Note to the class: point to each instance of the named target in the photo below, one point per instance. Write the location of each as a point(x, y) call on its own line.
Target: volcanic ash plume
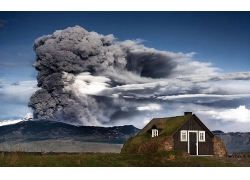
point(76, 68)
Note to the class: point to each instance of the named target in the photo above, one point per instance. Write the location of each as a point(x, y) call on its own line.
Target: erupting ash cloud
point(90, 79)
point(74, 66)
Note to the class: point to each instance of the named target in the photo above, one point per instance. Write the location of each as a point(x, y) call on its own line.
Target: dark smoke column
point(60, 57)
point(71, 60)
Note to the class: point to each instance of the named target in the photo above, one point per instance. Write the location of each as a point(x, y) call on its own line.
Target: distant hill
point(235, 141)
point(56, 136)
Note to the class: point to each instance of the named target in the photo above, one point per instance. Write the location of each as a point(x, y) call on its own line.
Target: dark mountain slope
point(52, 136)
point(51, 130)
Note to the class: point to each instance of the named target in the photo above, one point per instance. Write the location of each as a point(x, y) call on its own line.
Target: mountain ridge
point(46, 129)
point(46, 135)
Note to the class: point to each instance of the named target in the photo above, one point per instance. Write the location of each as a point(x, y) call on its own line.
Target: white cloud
point(124, 108)
point(149, 107)
point(240, 114)
point(8, 122)
point(211, 76)
point(91, 85)
point(225, 119)
point(209, 96)
point(20, 92)
point(146, 120)
point(14, 98)
point(129, 97)
point(11, 121)
point(115, 95)
point(129, 87)
point(193, 86)
point(1, 83)
point(188, 67)
point(233, 87)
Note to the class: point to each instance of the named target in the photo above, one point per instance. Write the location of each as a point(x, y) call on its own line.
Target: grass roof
point(168, 125)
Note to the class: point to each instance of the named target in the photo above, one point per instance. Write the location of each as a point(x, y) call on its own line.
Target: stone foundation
point(169, 143)
point(220, 149)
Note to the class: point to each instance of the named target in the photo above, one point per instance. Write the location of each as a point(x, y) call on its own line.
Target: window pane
point(154, 132)
point(183, 135)
point(202, 136)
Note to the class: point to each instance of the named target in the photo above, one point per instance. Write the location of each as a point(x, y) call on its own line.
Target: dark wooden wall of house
point(178, 144)
point(205, 148)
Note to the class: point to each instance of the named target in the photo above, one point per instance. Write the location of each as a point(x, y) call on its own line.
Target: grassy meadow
point(159, 159)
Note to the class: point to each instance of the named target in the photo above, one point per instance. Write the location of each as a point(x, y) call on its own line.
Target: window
point(183, 135)
point(154, 132)
point(202, 136)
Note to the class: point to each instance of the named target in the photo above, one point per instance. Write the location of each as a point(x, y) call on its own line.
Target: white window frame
point(185, 133)
point(203, 135)
point(155, 132)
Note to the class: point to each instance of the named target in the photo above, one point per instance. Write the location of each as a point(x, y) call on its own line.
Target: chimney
point(187, 113)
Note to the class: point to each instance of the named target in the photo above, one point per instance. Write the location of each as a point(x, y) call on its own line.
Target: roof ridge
point(162, 118)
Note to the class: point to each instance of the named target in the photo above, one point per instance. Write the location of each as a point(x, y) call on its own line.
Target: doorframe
point(197, 144)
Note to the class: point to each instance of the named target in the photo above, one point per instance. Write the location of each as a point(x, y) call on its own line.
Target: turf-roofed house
point(186, 133)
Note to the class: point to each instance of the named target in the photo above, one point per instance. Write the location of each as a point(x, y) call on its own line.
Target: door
point(192, 143)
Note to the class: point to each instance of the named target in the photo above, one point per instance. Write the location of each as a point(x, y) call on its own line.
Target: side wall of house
point(220, 149)
point(204, 148)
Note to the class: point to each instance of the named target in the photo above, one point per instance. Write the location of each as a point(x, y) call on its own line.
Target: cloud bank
point(240, 114)
point(91, 79)
point(18, 92)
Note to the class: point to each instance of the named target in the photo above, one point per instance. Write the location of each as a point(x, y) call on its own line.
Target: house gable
point(189, 125)
point(203, 137)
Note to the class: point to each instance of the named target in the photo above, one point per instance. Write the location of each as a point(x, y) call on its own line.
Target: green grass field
point(160, 159)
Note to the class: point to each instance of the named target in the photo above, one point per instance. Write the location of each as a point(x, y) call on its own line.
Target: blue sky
point(220, 39)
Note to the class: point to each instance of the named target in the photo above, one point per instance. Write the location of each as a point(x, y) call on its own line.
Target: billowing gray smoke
point(76, 68)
